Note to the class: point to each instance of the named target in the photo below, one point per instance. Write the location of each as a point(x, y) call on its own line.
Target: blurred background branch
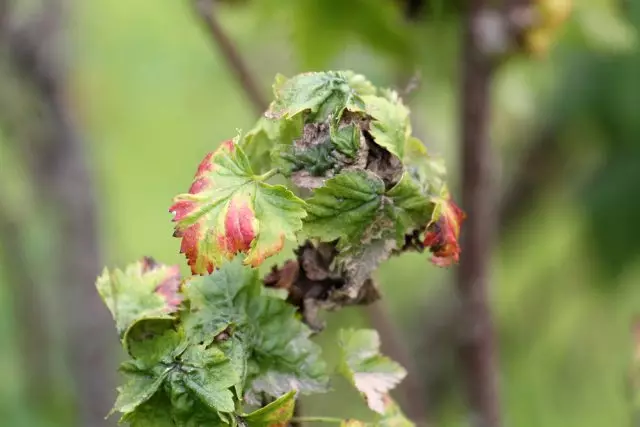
point(45, 138)
point(477, 345)
point(145, 98)
point(205, 11)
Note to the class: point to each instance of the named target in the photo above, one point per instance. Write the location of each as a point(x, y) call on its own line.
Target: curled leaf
point(144, 289)
point(275, 414)
point(266, 134)
point(443, 234)
point(390, 127)
point(321, 93)
point(355, 207)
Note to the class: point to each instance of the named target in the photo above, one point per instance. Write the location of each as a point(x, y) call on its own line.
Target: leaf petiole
point(265, 176)
point(331, 420)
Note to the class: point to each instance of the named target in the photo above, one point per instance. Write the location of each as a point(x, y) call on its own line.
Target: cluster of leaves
point(349, 145)
point(207, 348)
point(345, 143)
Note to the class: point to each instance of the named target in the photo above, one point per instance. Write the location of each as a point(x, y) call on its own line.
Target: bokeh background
point(145, 93)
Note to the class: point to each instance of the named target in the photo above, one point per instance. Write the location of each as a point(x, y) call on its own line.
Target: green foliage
point(390, 126)
point(370, 178)
point(262, 326)
point(230, 336)
point(355, 208)
point(204, 348)
point(257, 141)
point(321, 94)
point(143, 291)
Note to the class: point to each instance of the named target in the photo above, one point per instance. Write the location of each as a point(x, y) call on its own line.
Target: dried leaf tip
point(443, 234)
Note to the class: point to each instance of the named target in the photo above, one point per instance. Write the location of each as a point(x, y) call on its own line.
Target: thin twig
point(205, 10)
point(477, 346)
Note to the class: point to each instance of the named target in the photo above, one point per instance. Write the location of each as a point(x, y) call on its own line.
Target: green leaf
point(427, 172)
point(278, 293)
point(316, 159)
point(200, 416)
point(207, 386)
point(355, 208)
point(217, 301)
point(346, 139)
point(156, 412)
point(155, 343)
point(236, 351)
point(266, 134)
point(181, 400)
point(359, 83)
point(143, 290)
point(411, 207)
point(345, 206)
point(192, 373)
point(283, 358)
point(322, 94)
point(205, 374)
point(229, 210)
point(276, 413)
point(390, 127)
point(362, 364)
point(138, 389)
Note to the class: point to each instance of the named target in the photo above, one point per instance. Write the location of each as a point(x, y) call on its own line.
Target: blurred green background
point(152, 95)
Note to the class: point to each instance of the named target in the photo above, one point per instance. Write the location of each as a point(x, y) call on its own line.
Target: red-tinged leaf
point(229, 210)
point(143, 290)
point(443, 234)
point(169, 288)
point(240, 226)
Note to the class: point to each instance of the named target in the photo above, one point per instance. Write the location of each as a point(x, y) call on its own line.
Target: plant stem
point(331, 420)
point(477, 352)
point(265, 176)
point(205, 10)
